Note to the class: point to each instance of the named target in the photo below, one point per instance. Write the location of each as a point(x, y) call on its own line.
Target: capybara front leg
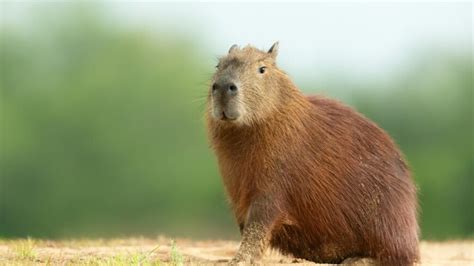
point(261, 219)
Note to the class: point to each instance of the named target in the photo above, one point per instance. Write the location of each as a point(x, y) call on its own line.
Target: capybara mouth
point(227, 118)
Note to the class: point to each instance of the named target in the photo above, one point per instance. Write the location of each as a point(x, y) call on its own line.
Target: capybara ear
point(273, 51)
point(233, 48)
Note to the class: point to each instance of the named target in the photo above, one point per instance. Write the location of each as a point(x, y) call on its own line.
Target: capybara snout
point(225, 103)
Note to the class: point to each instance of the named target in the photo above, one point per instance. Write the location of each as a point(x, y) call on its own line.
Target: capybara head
point(245, 87)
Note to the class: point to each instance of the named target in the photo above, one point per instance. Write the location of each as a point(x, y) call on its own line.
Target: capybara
point(306, 175)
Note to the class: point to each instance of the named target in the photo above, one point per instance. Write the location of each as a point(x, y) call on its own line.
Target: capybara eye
point(217, 66)
point(262, 70)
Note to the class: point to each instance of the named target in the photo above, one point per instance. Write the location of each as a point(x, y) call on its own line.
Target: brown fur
point(321, 181)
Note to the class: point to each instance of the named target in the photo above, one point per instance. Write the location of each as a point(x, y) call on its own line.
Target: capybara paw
point(236, 262)
point(244, 260)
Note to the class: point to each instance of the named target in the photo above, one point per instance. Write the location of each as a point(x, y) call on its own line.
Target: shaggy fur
point(308, 175)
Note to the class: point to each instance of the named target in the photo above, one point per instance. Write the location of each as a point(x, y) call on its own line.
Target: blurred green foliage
point(102, 133)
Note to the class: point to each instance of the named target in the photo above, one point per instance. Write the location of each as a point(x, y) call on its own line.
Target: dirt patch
point(164, 251)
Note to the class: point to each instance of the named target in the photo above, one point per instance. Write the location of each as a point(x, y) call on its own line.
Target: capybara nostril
point(232, 87)
point(214, 87)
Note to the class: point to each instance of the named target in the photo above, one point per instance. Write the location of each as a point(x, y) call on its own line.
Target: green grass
point(25, 249)
point(176, 256)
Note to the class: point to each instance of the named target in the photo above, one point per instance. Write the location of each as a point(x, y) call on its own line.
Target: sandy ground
point(163, 251)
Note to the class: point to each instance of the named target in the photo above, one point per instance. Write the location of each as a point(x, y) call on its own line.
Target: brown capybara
point(306, 175)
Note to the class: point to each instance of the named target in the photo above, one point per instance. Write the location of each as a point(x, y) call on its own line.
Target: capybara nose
point(229, 89)
point(232, 89)
point(215, 87)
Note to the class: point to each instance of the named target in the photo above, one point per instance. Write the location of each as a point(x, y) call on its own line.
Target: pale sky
point(355, 39)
